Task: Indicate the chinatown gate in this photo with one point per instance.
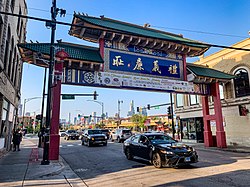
(129, 57)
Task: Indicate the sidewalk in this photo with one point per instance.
(230, 148)
(21, 168)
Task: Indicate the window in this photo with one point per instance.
(7, 46)
(135, 139)
(13, 66)
(179, 98)
(193, 99)
(12, 5)
(1, 28)
(11, 57)
(18, 22)
(241, 83)
(221, 91)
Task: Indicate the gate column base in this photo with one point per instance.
(221, 139)
(54, 147)
(208, 139)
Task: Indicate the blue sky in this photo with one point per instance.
(226, 17)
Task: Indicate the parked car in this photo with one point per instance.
(121, 135)
(62, 133)
(71, 135)
(93, 136)
(106, 132)
(160, 149)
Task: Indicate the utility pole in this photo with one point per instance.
(119, 110)
(52, 24)
(42, 110)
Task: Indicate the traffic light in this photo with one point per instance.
(95, 95)
(169, 112)
(39, 117)
(138, 109)
(148, 106)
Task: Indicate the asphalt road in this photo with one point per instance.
(108, 166)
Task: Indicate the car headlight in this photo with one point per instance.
(106, 137)
(93, 138)
(167, 152)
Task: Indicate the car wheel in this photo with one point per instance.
(129, 154)
(156, 160)
(118, 140)
(88, 143)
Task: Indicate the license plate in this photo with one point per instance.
(187, 159)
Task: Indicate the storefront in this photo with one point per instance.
(192, 129)
(7, 124)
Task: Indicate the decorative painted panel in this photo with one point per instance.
(132, 82)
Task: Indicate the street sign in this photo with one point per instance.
(68, 96)
(157, 107)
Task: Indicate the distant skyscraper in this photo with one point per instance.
(144, 112)
(131, 111)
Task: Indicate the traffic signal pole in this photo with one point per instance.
(45, 160)
(172, 114)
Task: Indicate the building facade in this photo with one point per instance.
(234, 94)
(12, 32)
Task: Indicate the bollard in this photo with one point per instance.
(45, 160)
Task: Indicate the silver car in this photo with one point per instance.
(121, 134)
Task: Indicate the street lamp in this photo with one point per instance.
(119, 110)
(24, 103)
(102, 105)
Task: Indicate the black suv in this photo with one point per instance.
(93, 136)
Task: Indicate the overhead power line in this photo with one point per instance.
(120, 32)
(170, 28)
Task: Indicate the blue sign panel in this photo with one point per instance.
(144, 64)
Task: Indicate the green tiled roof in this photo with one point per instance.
(208, 72)
(139, 30)
(79, 52)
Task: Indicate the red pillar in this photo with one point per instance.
(54, 128)
(208, 138)
(220, 133)
(101, 47)
(184, 67)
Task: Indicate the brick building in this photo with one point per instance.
(12, 32)
(235, 98)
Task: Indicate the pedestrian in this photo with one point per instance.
(17, 138)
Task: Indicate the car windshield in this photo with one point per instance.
(104, 130)
(160, 139)
(95, 132)
(126, 131)
(71, 131)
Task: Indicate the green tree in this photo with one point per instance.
(139, 120)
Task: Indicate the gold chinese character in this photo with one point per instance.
(173, 69)
(118, 61)
(138, 65)
(156, 67)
